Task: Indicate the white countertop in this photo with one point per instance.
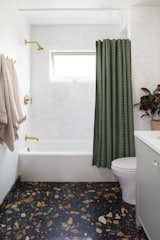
(151, 138)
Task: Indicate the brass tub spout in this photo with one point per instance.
(31, 138)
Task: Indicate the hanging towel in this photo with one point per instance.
(16, 91)
(10, 83)
(7, 133)
(11, 111)
(3, 112)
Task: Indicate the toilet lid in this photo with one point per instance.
(128, 163)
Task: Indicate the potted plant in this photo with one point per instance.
(150, 105)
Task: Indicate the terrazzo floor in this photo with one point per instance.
(67, 211)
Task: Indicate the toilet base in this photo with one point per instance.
(125, 171)
(128, 186)
(128, 190)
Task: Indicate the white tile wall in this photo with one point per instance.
(62, 111)
(144, 25)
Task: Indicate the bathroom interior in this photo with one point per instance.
(79, 120)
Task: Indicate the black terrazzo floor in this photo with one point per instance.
(67, 211)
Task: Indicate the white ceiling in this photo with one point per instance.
(40, 12)
(47, 17)
(115, 4)
(145, 2)
(72, 4)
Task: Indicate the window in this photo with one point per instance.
(73, 66)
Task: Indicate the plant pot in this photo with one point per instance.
(155, 125)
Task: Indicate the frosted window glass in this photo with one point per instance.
(74, 67)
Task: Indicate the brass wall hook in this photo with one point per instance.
(27, 99)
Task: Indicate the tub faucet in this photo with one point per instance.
(31, 138)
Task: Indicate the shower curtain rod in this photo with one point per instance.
(71, 9)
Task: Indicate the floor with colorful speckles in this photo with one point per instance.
(67, 211)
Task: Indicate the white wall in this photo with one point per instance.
(13, 31)
(64, 111)
(144, 28)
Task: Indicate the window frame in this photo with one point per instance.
(72, 78)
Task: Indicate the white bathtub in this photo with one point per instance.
(59, 161)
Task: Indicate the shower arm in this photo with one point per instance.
(33, 42)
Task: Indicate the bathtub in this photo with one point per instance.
(60, 161)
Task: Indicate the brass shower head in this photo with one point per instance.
(30, 42)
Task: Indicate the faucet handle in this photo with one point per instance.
(156, 163)
(27, 99)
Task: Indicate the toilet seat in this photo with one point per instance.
(125, 165)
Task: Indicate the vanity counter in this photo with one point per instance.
(151, 138)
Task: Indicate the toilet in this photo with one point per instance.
(125, 171)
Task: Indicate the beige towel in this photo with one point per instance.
(3, 113)
(20, 110)
(11, 111)
(18, 114)
(13, 106)
(7, 133)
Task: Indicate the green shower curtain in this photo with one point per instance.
(113, 126)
